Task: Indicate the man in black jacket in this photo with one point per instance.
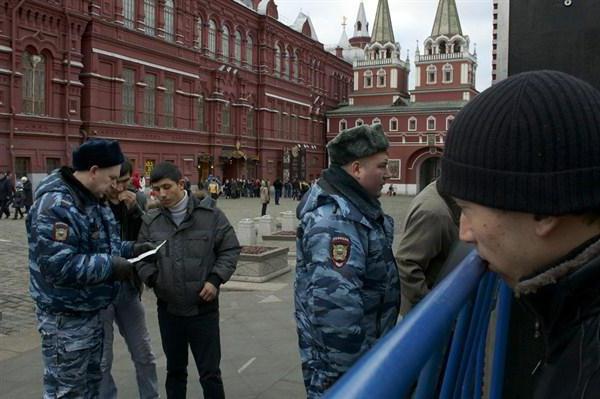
(200, 254)
(6, 194)
(522, 160)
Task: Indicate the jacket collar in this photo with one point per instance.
(195, 202)
(81, 194)
(565, 292)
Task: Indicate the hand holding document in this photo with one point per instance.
(147, 254)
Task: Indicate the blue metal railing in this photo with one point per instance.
(440, 346)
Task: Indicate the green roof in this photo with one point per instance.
(382, 29)
(446, 20)
(411, 108)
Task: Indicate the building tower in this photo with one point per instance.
(382, 77)
(446, 69)
(361, 36)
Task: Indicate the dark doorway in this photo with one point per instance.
(429, 171)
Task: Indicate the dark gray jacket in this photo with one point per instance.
(203, 248)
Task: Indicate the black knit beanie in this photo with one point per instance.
(100, 152)
(530, 143)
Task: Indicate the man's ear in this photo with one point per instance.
(545, 225)
(355, 169)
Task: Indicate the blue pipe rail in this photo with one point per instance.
(391, 367)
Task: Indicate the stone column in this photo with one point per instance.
(246, 232)
(288, 221)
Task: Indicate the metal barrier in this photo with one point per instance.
(440, 346)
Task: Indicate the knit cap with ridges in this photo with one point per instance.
(530, 143)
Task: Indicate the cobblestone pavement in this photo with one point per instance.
(16, 306)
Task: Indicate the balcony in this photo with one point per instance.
(445, 57)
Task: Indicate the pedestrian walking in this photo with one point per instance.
(347, 290)
(28, 190)
(265, 197)
(6, 194)
(200, 254)
(213, 189)
(524, 176)
(18, 200)
(278, 186)
(76, 260)
(126, 311)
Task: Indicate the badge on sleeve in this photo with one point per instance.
(60, 231)
(340, 250)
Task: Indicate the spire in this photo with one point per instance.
(361, 26)
(446, 20)
(382, 29)
(344, 42)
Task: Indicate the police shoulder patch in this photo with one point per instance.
(340, 250)
(60, 231)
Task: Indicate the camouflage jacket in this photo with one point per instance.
(347, 289)
(72, 237)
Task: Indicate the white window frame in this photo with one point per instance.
(340, 125)
(381, 73)
(412, 119)
(249, 50)
(447, 68)
(368, 74)
(449, 120)
(429, 119)
(431, 69)
(391, 121)
(359, 122)
(376, 120)
(225, 38)
(212, 38)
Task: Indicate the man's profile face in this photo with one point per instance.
(119, 186)
(505, 239)
(102, 179)
(373, 173)
(169, 192)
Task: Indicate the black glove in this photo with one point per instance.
(142, 247)
(121, 268)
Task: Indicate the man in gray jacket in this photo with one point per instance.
(200, 254)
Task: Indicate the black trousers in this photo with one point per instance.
(5, 208)
(263, 210)
(201, 334)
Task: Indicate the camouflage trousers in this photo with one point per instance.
(71, 351)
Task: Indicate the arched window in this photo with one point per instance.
(285, 60)
(442, 47)
(212, 38)
(34, 84)
(200, 113)
(249, 51)
(449, 121)
(198, 41)
(447, 73)
(412, 124)
(238, 47)
(368, 79)
(150, 16)
(381, 78)
(343, 125)
(296, 66)
(225, 119)
(394, 125)
(225, 43)
(359, 122)
(431, 123)
(129, 13)
(376, 121)
(250, 123)
(169, 21)
(358, 25)
(431, 74)
(277, 56)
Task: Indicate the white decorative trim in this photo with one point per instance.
(97, 75)
(287, 99)
(141, 84)
(274, 111)
(5, 49)
(73, 63)
(73, 82)
(145, 63)
(161, 88)
(219, 100)
(183, 93)
(242, 105)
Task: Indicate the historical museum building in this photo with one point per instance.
(415, 121)
(216, 86)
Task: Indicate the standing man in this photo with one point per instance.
(28, 189)
(6, 194)
(278, 186)
(127, 309)
(523, 161)
(200, 254)
(75, 263)
(347, 290)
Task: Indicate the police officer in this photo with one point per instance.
(75, 262)
(347, 289)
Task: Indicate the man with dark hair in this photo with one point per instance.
(522, 160)
(200, 254)
(347, 290)
(128, 206)
(75, 265)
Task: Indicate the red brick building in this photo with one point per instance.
(415, 121)
(218, 87)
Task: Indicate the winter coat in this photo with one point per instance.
(566, 302)
(6, 189)
(202, 248)
(28, 189)
(347, 289)
(19, 198)
(430, 231)
(265, 196)
(72, 236)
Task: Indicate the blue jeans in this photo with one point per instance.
(128, 312)
(71, 351)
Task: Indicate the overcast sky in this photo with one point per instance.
(412, 21)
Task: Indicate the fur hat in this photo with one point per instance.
(358, 142)
(100, 152)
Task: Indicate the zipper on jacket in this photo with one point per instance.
(378, 319)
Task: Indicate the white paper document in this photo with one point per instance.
(148, 253)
